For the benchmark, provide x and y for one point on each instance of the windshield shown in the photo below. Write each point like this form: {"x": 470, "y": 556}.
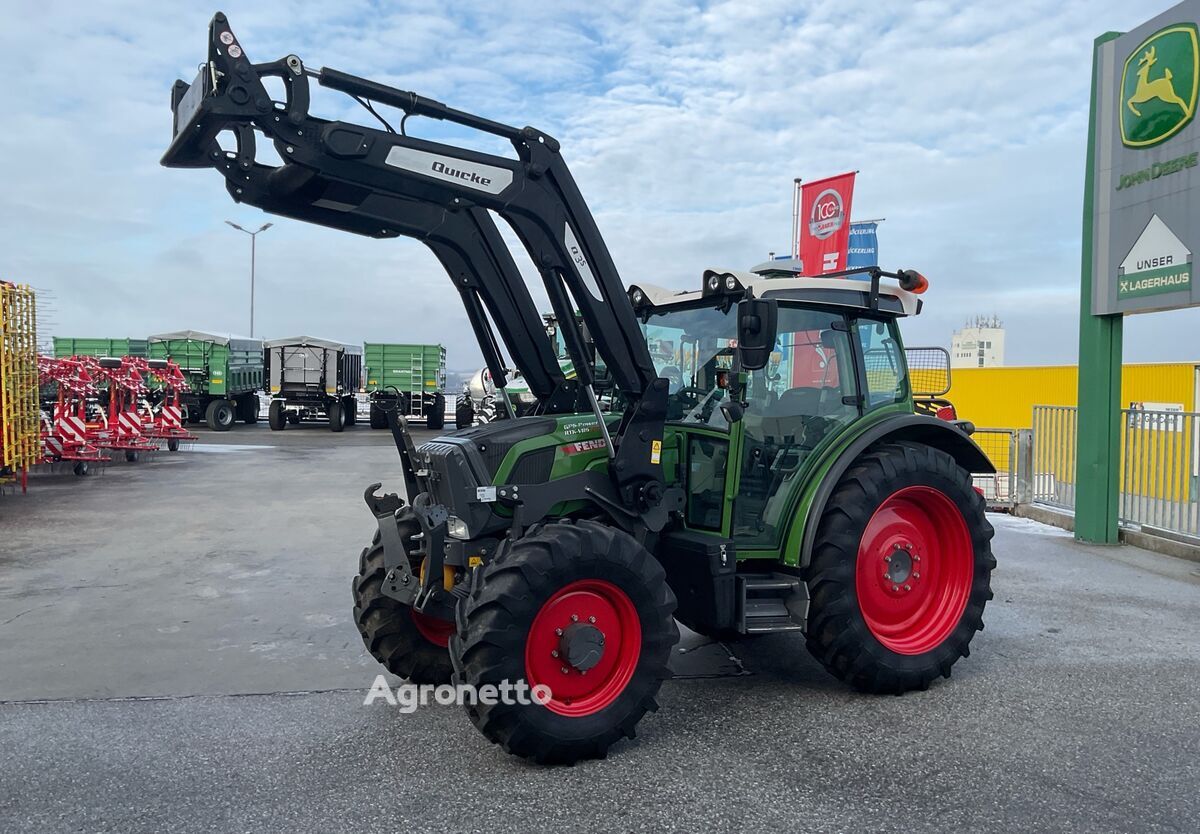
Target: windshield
{"x": 693, "y": 350}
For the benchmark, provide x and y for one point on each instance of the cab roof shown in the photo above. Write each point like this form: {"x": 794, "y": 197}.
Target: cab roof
{"x": 850, "y": 292}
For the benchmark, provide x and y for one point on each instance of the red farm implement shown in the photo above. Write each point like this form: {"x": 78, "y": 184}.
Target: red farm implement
{"x": 163, "y": 409}
{"x": 65, "y": 433}
{"x": 121, "y": 427}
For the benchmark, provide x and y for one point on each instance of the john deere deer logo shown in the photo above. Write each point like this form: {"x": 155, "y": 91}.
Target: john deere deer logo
{"x": 1159, "y": 85}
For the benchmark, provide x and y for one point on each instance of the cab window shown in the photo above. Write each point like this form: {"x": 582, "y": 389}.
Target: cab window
{"x": 883, "y": 364}
{"x": 800, "y": 401}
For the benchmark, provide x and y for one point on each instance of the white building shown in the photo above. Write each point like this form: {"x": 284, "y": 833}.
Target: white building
{"x": 980, "y": 344}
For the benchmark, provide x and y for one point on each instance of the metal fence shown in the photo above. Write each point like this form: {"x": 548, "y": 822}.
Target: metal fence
{"x": 1159, "y": 474}
{"x": 1000, "y": 446}
{"x": 1052, "y": 473}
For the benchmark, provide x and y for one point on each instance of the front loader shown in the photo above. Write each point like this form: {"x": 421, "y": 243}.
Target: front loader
{"x": 759, "y": 467}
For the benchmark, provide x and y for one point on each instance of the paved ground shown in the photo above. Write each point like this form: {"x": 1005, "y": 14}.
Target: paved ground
{"x": 176, "y": 653}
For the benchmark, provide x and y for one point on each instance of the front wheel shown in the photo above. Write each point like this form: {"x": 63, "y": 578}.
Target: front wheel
{"x": 337, "y": 418}
{"x": 435, "y": 416}
{"x": 900, "y": 571}
{"x": 173, "y": 444}
{"x": 276, "y": 417}
{"x": 580, "y": 612}
{"x": 408, "y": 643}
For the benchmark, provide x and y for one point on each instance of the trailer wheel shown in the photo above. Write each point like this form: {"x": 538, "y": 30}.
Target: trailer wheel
{"x": 248, "y": 407}
{"x": 408, "y": 644}
{"x": 901, "y": 570}
{"x": 293, "y": 418}
{"x": 582, "y": 609}
{"x": 337, "y": 418}
{"x": 80, "y": 469}
{"x": 276, "y": 418}
{"x": 131, "y": 456}
{"x": 172, "y": 444}
{"x": 378, "y": 418}
{"x": 435, "y": 417}
{"x": 464, "y": 412}
{"x": 350, "y": 406}
{"x": 219, "y": 415}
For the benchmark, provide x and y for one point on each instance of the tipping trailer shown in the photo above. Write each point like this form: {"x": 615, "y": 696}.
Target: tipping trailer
{"x": 751, "y": 478}
{"x": 310, "y": 378}
{"x": 224, "y": 375}
{"x": 68, "y": 346}
{"x": 408, "y": 379}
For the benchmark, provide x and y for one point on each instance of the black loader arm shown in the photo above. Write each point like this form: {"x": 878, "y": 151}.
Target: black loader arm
{"x": 383, "y": 184}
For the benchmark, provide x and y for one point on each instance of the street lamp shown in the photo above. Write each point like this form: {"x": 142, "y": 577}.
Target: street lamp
{"x": 253, "y": 238}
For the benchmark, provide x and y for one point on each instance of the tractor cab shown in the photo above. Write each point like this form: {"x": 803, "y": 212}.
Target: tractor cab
{"x": 837, "y": 356}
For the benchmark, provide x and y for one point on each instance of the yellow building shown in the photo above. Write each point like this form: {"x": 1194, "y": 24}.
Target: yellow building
{"x": 1005, "y": 397}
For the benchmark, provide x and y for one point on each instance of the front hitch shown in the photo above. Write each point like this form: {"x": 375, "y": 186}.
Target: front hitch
{"x": 400, "y": 583}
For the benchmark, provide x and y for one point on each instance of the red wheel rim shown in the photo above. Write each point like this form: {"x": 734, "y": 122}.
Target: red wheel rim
{"x": 606, "y": 607}
{"x": 434, "y": 629}
{"x": 914, "y": 570}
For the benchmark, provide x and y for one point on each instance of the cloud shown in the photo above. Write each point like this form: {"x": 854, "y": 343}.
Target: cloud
{"x": 683, "y": 123}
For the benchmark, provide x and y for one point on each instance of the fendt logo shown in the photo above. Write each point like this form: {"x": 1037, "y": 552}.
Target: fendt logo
{"x": 827, "y": 214}
{"x": 1158, "y": 86}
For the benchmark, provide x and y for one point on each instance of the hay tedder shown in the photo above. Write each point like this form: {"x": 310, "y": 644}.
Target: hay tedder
{"x": 66, "y": 436}
{"x": 162, "y": 407}
{"x": 763, "y": 467}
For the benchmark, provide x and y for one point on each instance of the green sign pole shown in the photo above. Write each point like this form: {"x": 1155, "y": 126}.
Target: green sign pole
{"x": 1097, "y": 461}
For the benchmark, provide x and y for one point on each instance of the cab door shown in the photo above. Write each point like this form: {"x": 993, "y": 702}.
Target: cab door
{"x": 796, "y": 405}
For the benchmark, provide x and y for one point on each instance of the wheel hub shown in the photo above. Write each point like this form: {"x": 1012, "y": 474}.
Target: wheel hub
{"x": 899, "y": 564}
{"x": 581, "y": 646}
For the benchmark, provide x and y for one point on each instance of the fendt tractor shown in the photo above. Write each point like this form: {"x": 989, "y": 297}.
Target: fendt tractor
{"x": 760, "y": 468}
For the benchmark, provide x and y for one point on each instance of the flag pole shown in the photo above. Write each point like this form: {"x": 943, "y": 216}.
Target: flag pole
{"x": 796, "y": 217}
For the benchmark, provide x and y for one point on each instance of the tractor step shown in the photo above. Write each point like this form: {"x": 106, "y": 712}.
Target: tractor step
{"x": 770, "y": 603}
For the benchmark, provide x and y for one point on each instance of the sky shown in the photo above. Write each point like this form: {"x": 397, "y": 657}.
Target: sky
{"x": 684, "y": 124}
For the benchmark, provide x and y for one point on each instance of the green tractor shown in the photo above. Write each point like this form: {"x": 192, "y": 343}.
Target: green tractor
{"x": 760, "y": 469}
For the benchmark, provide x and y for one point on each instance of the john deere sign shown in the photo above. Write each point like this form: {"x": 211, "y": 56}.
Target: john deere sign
{"x": 1158, "y": 86}
{"x": 1146, "y": 180}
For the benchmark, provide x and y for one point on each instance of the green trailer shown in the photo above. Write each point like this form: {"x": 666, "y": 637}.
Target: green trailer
{"x": 65, "y": 346}
{"x": 224, "y": 375}
{"x": 411, "y": 378}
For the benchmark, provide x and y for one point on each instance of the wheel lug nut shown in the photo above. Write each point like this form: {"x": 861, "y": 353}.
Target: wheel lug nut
{"x": 574, "y": 618}
{"x": 895, "y": 587}
{"x": 564, "y": 670}
{"x": 558, "y": 632}
{"x": 908, "y": 587}
{"x": 554, "y": 652}
{"x": 916, "y": 576}
{"x": 592, "y": 620}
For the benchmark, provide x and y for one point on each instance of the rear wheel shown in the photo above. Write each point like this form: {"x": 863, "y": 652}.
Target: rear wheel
{"x": 337, "y": 418}
{"x": 219, "y": 415}
{"x": 350, "y": 406}
{"x": 276, "y": 418}
{"x": 131, "y": 455}
{"x": 81, "y": 468}
{"x": 408, "y": 643}
{"x": 173, "y": 444}
{"x": 901, "y": 570}
{"x": 581, "y": 609}
{"x": 378, "y": 418}
{"x": 248, "y": 409}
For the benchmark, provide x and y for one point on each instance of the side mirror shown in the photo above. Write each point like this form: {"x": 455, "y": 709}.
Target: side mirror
{"x": 733, "y": 412}
{"x": 757, "y": 322}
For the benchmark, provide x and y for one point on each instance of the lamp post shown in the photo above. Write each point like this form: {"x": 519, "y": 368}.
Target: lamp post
{"x": 253, "y": 239}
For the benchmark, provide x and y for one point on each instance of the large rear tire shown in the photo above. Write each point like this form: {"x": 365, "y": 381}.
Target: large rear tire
{"x": 407, "y": 643}
{"x": 900, "y": 571}
{"x": 219, "y": 415}
{"x": 581, "y": 608}
{"x": 276, "y": 419}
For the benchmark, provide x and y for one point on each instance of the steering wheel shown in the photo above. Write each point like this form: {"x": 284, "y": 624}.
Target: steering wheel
{"x": 689, "y": 396}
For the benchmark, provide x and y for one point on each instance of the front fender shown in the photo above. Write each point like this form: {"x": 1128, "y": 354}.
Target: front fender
{"x": 917, "y": 428}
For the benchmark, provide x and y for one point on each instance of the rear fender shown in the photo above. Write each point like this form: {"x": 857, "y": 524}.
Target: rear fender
{"x": 914, "y": 428}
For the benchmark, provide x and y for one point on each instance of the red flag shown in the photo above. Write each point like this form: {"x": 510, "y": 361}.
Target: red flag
{"x": 825, "y": 223}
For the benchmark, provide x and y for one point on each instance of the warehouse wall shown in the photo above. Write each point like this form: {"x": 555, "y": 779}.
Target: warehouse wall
{"x": 1005, "y": 397}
